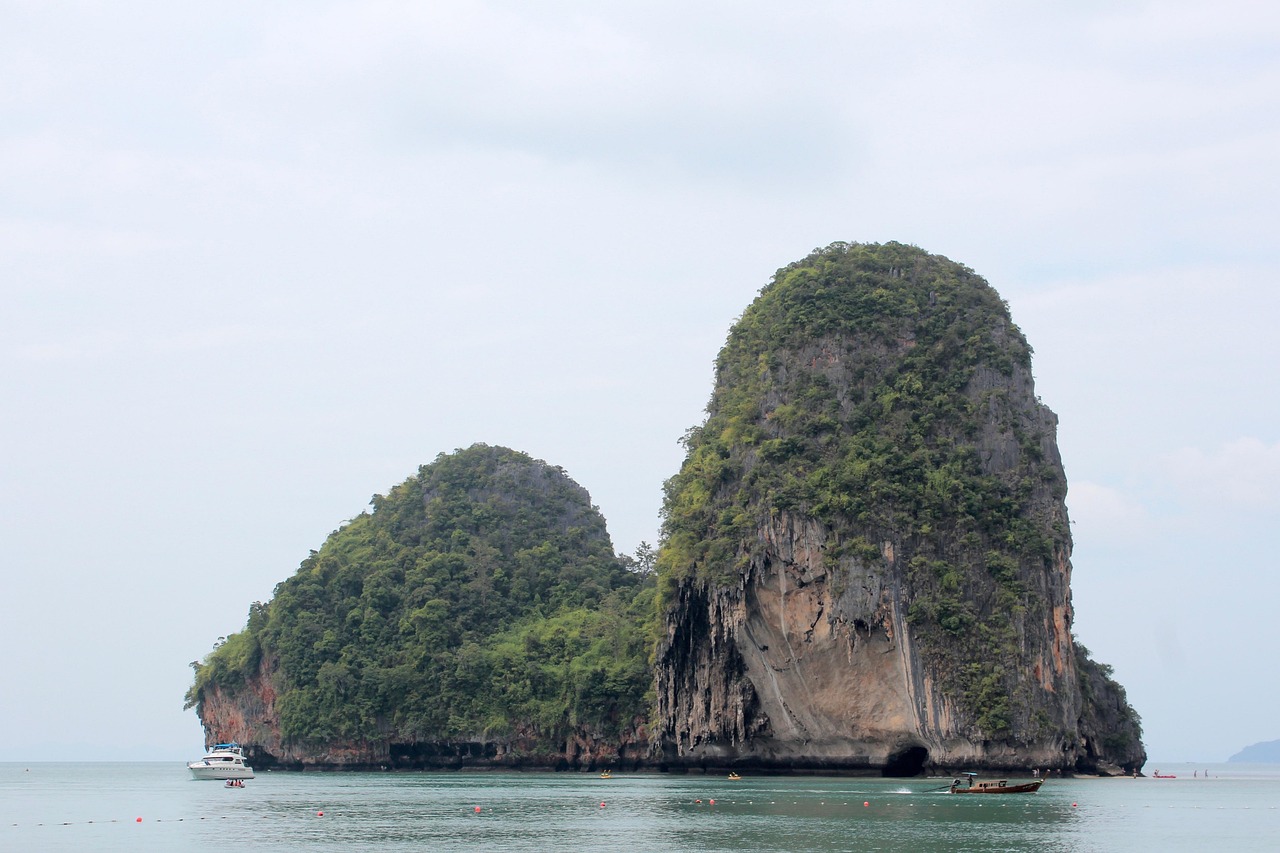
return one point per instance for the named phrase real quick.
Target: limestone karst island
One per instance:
(865, 567)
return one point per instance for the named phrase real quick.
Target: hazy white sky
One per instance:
(261, 260)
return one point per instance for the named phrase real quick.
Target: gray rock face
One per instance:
(887, 581)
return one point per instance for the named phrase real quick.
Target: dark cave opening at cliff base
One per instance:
(908, 761)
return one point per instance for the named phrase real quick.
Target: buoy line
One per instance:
(1025, 805)
(134, 820)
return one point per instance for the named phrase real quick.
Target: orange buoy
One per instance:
(866, 803)
(477, 810)
(139, 820)
(319, 814)
(602, 804)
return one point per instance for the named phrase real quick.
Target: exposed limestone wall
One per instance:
(807, 667)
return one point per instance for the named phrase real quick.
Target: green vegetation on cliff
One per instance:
(868, 388)
(884, 440)
(478, 600)
(1110, 727)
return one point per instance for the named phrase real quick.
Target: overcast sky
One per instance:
(260, 261)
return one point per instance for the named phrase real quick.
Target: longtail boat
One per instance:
(997, 786)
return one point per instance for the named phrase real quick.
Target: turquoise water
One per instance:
(55, 807)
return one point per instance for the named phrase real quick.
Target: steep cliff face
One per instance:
(1110, 730)
(867, 556)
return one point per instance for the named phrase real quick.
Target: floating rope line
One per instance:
(135, 820)
(719, 803)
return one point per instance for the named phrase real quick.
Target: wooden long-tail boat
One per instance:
(996, 786)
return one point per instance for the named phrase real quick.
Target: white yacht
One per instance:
(223, 761)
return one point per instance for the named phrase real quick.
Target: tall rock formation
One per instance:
(866, 559)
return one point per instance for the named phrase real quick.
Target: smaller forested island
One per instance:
(864, 568)
(476, 615)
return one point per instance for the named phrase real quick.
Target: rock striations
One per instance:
(866, 560)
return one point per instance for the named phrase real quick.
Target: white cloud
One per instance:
(1139, 363)
(1191, 25)
(1102, 513)
(598, 86)
(30, 237)
(1242, 473)
(143, 342)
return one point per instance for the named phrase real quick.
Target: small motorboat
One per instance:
(995, 786)
(223, 761)
(734, 777)
(606, 775)
(235, 783)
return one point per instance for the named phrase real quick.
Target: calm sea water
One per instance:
(96, 807)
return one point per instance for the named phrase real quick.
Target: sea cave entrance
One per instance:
(906, 761)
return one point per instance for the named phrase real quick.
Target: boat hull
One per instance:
(200, 770)
(1000, 787)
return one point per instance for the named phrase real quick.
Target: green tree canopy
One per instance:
(479, 597)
